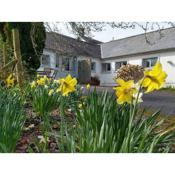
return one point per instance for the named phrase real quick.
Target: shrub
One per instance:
(95, 81)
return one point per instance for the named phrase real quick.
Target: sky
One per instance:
(109, 33)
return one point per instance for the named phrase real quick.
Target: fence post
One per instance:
(17, 55)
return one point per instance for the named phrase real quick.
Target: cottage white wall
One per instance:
(167, 59)
(108, 79)
(97, 72)
(168, 63)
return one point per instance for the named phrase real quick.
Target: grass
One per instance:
(168, 89)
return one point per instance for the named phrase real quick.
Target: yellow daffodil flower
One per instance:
(88, 86)
(33, 84)
(154, 79)
(80, 105)
(41, 81)
(51, 92)
(67, 85)
(56, 81)
(125, 91)
(10, 80)
(45, 78)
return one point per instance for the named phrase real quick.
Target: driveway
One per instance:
(165, 101)
(158, 100)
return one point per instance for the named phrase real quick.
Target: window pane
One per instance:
(65, 64)
(57, 60)
(153, 61)
(108, 67)
(149, 62)
(117, 65)
(93, 66)
(46, 60)
(124, 63)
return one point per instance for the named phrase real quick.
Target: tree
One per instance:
(27, 41)
(81, 29)
(32, 42)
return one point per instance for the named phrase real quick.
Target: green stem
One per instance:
(131, 119)
(62, 113)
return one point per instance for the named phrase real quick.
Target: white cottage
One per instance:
(107, 58)
(63, 54)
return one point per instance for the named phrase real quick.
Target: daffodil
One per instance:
(10, 80)
(67, 85)
(51, 92)
(41, 139)
(33, 84)
(88, 86)
(41, 81)
(80, 105)
(125, 91)
(56, 81)
(154, 79)
(45, 78)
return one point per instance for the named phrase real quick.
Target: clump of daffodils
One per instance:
(64, 85)
(130, 92)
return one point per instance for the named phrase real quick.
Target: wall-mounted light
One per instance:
(171, 63)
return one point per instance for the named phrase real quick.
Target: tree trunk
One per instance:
(17, 55)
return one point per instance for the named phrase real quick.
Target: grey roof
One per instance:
(70, 46)
(158, 41)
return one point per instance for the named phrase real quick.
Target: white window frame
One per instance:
(149, 60)
(121, 64)
(57, 61)
(69, 62)
(105, 71)
(48, 57)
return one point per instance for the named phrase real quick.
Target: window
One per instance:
(93, 66)
(106, 67)
(120, 64)
(46, 60)
(149, 62)
(66, 64)
(57, 61)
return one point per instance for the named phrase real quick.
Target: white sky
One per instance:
(109, 33)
